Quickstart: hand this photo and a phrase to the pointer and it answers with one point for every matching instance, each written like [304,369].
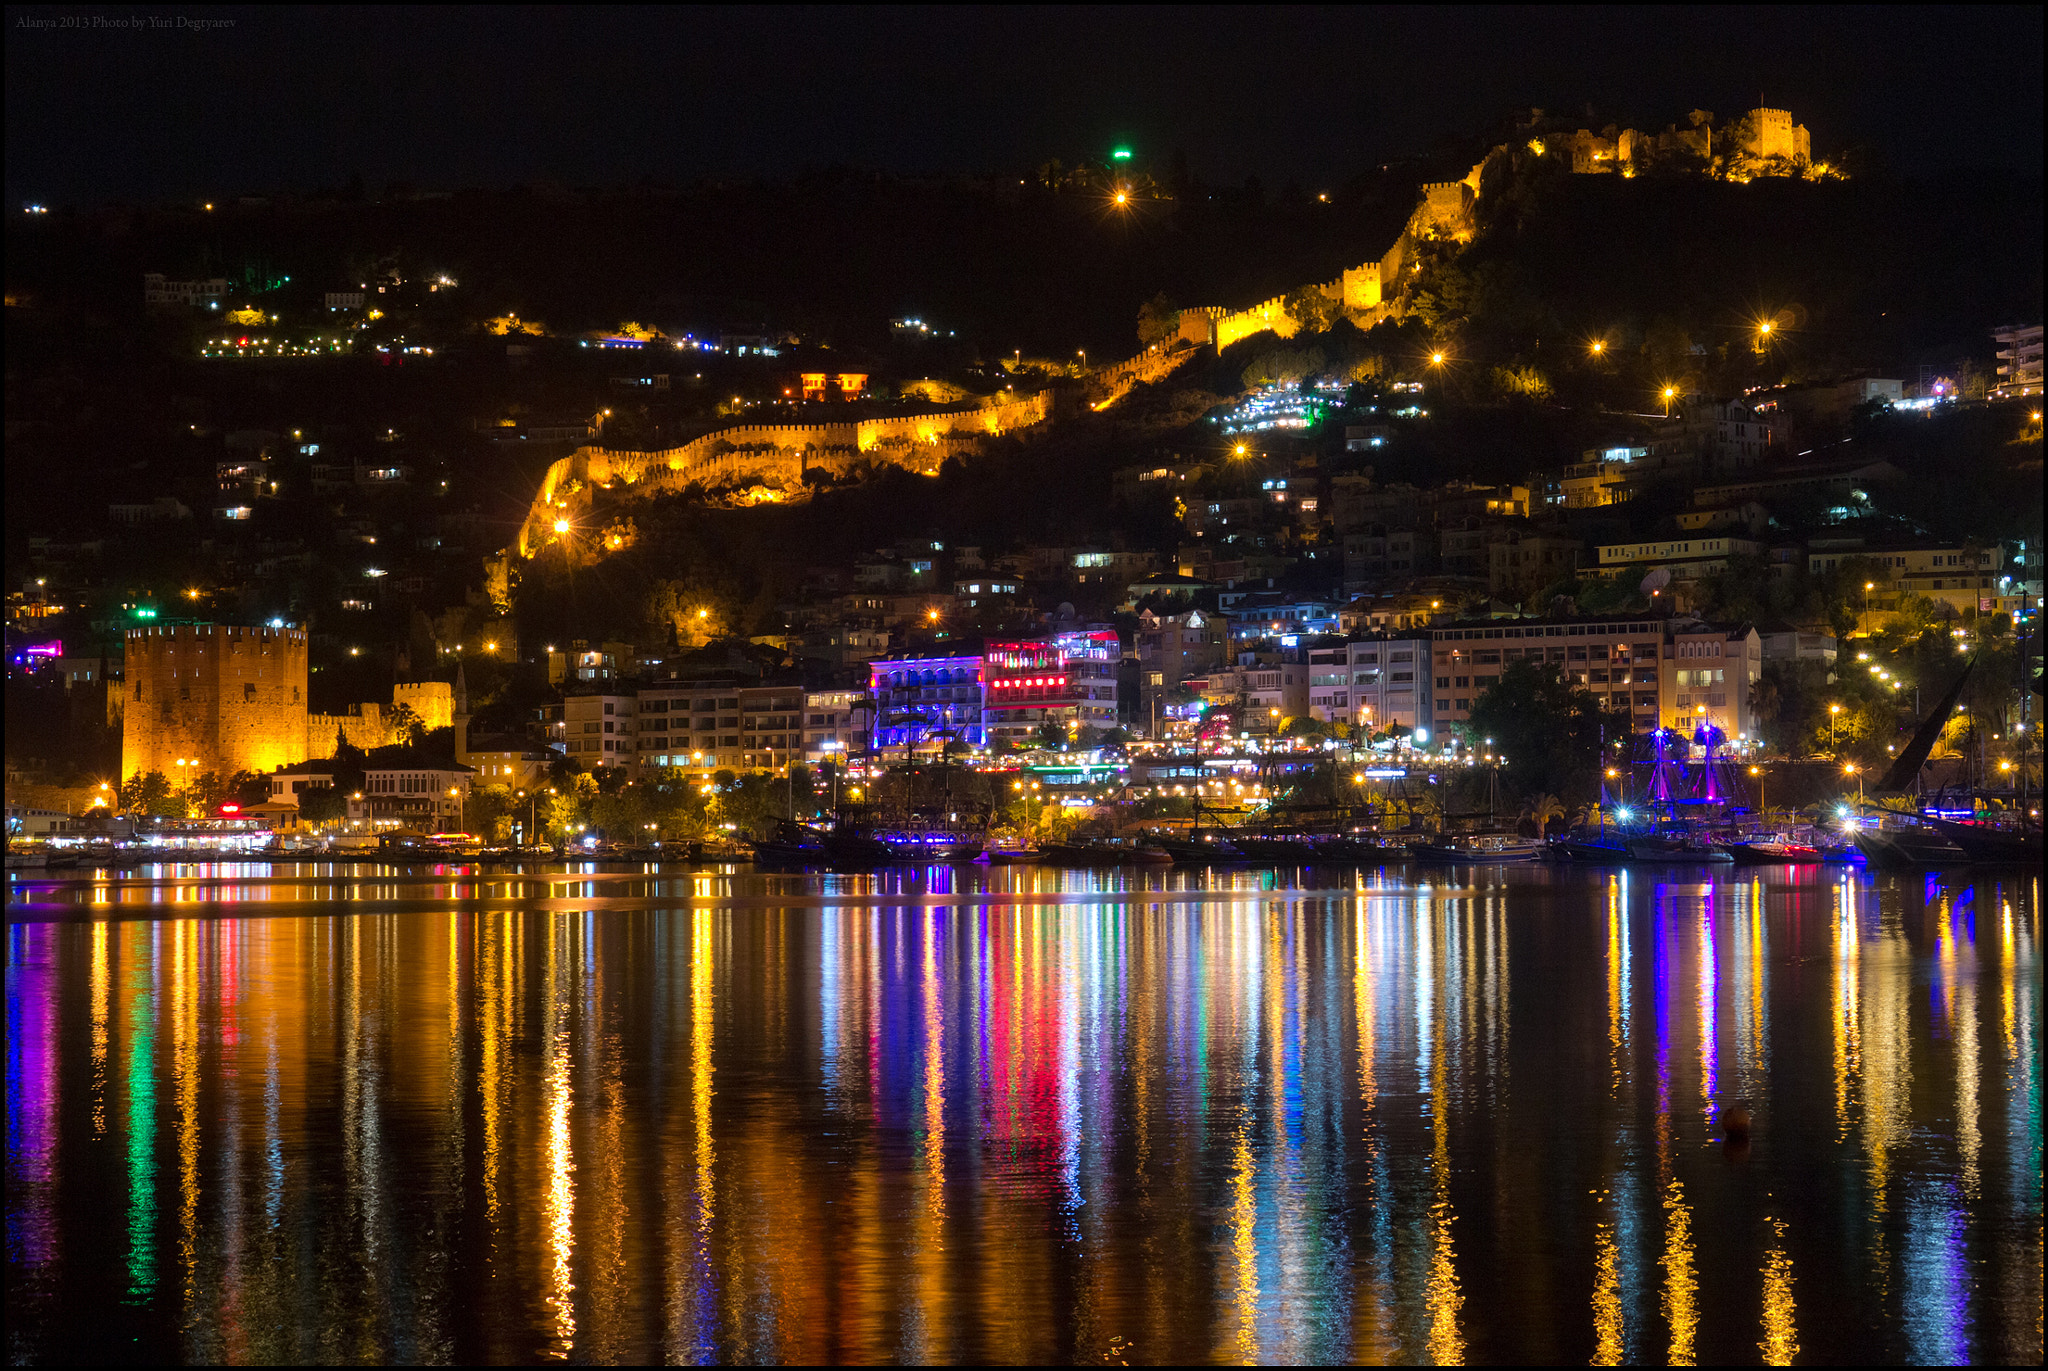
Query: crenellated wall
[1243,323]
[1111,384]
[212,697]
[771,455]
[1369,289]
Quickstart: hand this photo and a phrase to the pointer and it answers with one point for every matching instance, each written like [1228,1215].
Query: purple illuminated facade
[925,698]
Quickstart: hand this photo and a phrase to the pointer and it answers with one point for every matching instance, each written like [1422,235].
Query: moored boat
[1102,852]
[1271,849]
[1477,847]
[1769,849]
[1906,846]
[1681,848]
[1982,841]
[1608,851]
[1201,849]
[848,850]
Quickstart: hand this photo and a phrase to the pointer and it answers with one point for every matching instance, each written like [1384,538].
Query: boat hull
[1443,854]
[1988,844]
[1592,854]
[1676,853]
[1908,849]
[1772,854]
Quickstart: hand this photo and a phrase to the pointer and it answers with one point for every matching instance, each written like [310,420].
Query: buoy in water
[1735,1122]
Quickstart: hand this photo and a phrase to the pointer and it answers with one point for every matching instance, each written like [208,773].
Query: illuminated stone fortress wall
[219,697]
[774,456]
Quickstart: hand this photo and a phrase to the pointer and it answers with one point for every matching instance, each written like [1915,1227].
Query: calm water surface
[321,1114]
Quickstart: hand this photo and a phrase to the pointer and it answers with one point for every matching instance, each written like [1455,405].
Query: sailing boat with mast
[1892,838]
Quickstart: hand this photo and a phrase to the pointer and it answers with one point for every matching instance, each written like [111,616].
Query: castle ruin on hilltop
[1761,142]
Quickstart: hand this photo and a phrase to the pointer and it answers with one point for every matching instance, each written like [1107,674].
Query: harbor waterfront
[1482,1113]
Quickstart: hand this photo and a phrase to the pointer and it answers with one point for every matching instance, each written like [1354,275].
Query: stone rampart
[771,455]
[1270,314]
[212,697]
[1111,384]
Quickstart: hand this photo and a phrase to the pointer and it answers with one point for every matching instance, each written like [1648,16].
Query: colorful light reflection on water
[1023,1116]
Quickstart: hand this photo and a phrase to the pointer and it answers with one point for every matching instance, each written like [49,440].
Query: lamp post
[833,745]
[1758,772]
[1833,711]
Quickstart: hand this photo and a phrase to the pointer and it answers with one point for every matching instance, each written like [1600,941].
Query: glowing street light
[1599,346]
[561,525]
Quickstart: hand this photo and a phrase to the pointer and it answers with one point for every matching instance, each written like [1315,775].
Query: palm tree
[1766,701]
[1543,809]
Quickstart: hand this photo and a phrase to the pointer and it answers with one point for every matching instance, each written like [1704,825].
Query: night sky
[296,99]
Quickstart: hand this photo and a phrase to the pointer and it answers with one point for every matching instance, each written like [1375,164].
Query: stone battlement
[770,455]
[212,697]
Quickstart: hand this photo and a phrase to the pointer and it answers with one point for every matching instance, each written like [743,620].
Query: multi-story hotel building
[713,725]
[1679,674]
[1070,680]
[1372,683]
[924,698]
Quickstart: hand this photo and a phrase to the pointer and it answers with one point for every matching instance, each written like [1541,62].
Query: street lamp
[1851,769]
[1833,711]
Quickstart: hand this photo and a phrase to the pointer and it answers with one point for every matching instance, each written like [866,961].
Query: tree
[148,792]
[202,794]
[1311,310]
[247,788]
[491,808]
[407,727]
[1157,320]
[324,805]
[621,815]
[349,761]
[750,803]
[1524,381]
[678,807]
[1542,809]
[1549,730]
[1049,735]
[557,815]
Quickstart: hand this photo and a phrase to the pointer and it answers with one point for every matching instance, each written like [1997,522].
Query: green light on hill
[1121,155]
[144,612]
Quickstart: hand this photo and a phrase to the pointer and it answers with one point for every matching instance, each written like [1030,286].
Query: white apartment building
[693,725]
[833,729]
[1964,577]
[2019,361]
[424,799]
[1372,684]
[1269,692]
[159,290]
[598,729]
[1708,675]
[1619,661]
